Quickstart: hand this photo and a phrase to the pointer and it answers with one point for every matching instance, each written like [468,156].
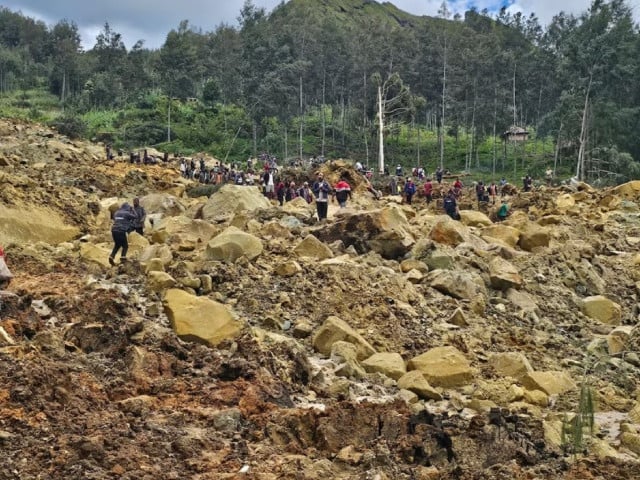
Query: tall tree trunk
[380,132]
[444,91]
[301,123]
[583,132]
[324,121]
[515,112]
[495,137]
[557,152]
[286,143]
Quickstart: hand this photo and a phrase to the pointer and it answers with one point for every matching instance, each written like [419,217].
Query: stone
[302,328]
[631,441]
[534,236]
[416,382]
[504,233]
[634,413]
[456,283]
[288,269]
[31,224]
[232,244]
[440,260]
[565,201]
[602,309]
[313,248]
[408,396]
[617,339]
[345,356]
[163,203]
[443,367]
[510,364]
[96,254]
[154,265]
[157,281]
[388,363]
[333,330]
[163,252]
[448,231]
[458,318]
[385,231]
[536,397]
[200,319]
[629,190]
[413,264]
[524,301]
[550,382]
[414,276]
[183,229]
[474,218]
[231,199]
[503,275]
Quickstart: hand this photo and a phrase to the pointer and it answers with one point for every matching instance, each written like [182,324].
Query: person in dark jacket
[141,215]
[122,224]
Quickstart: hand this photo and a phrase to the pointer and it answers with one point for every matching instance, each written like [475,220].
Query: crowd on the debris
[265,172]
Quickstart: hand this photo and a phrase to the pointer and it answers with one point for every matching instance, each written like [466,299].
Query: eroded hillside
[244,340]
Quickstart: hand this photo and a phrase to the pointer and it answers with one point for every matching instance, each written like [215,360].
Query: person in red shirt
[342,192]
[457,187]
[428,190]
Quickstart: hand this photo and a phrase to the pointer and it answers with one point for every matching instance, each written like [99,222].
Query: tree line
[321,78]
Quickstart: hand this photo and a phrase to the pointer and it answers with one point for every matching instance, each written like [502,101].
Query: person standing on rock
[428,190]
[451,206]
[503,211]
[141,215]
[305,192]
[321,191]
[5,273]
[409,190]
[122,224]
[342,192]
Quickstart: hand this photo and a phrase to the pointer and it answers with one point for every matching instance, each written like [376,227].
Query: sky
[151,20]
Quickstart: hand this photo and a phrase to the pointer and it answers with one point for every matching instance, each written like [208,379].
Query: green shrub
[70,125]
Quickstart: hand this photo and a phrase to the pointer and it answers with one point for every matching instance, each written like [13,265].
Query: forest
[490,94]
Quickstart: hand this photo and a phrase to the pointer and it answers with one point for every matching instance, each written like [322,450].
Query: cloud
[151,20]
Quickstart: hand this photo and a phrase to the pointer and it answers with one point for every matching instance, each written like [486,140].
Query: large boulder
[629,190]
[162,203]
[231,199]
[504,233]
[345,357]
[311,247]
[163,252]
[158,281]
[97,254]
[200,319]
[456,283]
[510,364]
[185,228]
[550,382]
[602,309]
[534,236]
[385,231]
[416,382]
[443,367]
[34,224]
[233,244]
[448,231]
[474,218]
[334,330]
[503,275]
[389,364]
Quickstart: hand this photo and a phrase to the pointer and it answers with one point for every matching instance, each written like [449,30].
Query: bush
[70,125]
[203,190]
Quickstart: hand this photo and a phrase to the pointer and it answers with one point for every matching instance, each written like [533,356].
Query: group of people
[128,218]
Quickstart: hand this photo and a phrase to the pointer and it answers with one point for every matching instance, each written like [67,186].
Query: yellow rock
[415,382]
[311,247]
[504,233]
[536,397]
[474,218]
[34,224]
[443,367]
[158,281]
[200,319]
[390,364]
[511,364]
[233,244]
[550,382]
[602,309]
[333,330]
[95,254]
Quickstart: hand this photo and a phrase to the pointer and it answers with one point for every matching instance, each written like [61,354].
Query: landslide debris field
[243,340]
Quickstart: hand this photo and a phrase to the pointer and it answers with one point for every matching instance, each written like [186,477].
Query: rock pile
[245,341]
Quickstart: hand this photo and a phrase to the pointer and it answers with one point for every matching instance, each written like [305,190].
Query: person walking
[428,190]
[122,224]
[141,215]
[321,191]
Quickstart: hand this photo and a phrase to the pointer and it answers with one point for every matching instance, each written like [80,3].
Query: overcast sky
[151,20]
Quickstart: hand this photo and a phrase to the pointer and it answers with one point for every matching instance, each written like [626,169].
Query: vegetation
[310,77]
